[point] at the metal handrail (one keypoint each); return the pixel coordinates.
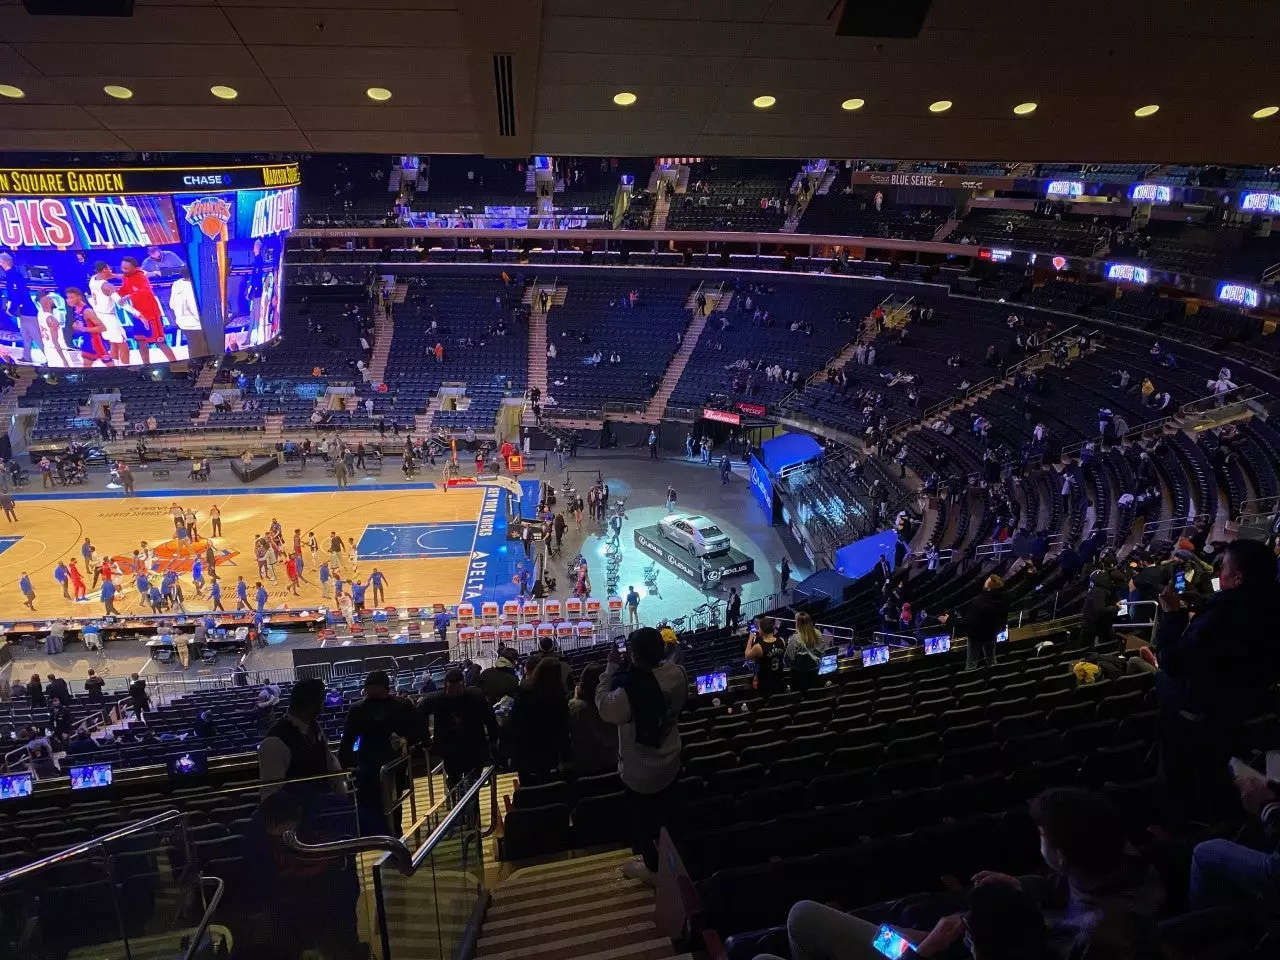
(62, 856)
(392, 846)
(205, 919)
(405, 860)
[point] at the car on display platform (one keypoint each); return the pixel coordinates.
(699, 535)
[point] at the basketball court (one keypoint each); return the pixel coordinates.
(432, 545)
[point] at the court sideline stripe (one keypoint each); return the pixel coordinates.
(224, 491)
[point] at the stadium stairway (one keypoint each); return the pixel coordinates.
(580, 908)
(384, 326)
(658, 405)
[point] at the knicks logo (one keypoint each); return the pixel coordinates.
(210, 214)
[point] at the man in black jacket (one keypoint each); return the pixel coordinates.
(1098, 616)
(983, 619)
(464, 727)
(376, 732)
(138, 697)
(1217, 670)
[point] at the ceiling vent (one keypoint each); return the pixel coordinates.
(901, 19)
(79, 8)
(504, 89)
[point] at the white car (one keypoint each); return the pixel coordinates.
(699, 535)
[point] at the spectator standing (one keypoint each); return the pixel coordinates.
(540, 724)
(296, 746)
(500, 680)
(385, 724)
(733, 609)
(983, 620)
(593, 743)
(768, 652)
(463, 727)
(1216, 672)
(138, 697)
(803, 652)
(644, 702)
(93, 688)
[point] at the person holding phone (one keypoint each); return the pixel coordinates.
(1217, 670)
(1000, 922)
(644, 702)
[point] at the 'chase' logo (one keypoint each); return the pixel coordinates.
(210, 214)
(207, 180)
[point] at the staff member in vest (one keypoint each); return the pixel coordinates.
(186, 314)
(21, 305)
(296, 746)
(644, 702)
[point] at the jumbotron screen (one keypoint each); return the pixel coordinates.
(163, 265)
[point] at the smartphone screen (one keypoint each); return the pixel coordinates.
(1123, 610)
(890, 942)
(1180, 581)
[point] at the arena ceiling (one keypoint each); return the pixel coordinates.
(301, 69)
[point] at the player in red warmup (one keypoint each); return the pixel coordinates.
(137, 288)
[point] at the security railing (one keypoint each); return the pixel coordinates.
(429, 894)
(133, 892)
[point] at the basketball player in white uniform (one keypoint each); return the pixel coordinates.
(104, 301)
(51, 335)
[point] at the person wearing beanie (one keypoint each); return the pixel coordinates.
(643, 700)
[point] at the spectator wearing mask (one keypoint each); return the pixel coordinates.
(1226, 873)
(644, 702)
(385, 725)
(138, 696)
(983, 619)
(540, 724)
(1102, 899)
(803, 652)
(769, 654)
(463, 727)
(1216, 672)
(593, 743)
(1000, 922)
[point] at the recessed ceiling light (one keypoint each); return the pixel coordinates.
(1024, 109)
(13, 93)
(378, 93)
(1257, 114)
(940, 106)
(624, 99)
(853, 103)
(223, 92)
(765, 102)
(117, 91)
(1146, 111)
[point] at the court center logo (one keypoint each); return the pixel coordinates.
(210, 214)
